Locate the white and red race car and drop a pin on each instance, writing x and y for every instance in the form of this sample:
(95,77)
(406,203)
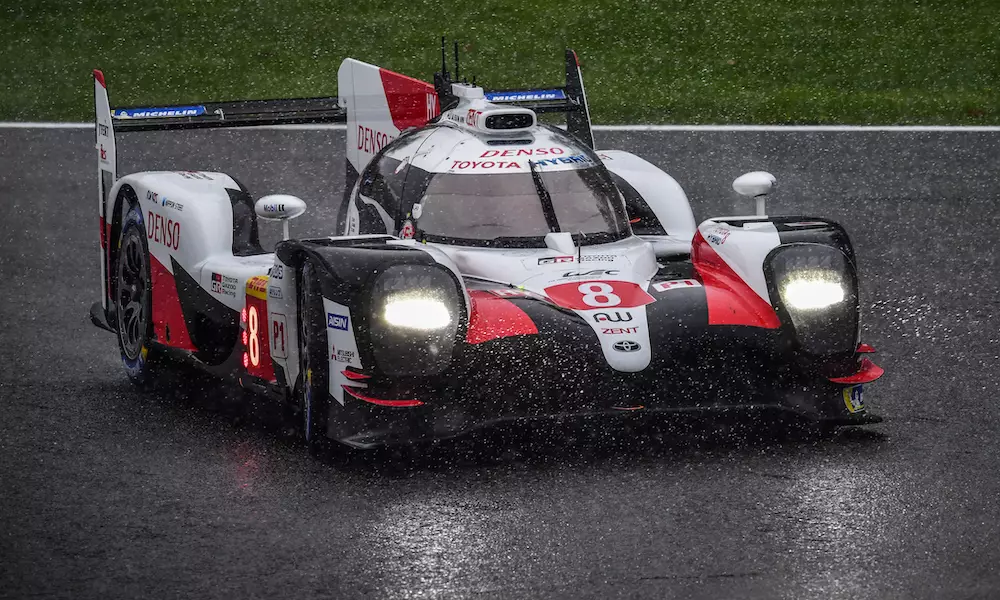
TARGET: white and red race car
(485,267)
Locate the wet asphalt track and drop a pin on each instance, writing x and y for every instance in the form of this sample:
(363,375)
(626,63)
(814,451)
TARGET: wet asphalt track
(105,493)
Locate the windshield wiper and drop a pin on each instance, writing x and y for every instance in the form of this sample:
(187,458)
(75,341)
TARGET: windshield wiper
(543,195)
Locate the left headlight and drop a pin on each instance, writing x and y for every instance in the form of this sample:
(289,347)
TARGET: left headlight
(413,319)
(417,310)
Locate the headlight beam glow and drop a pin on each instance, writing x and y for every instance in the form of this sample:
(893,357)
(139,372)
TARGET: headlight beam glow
(417,311)
(812,291)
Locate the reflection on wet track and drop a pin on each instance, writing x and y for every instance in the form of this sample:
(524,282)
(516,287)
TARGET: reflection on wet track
(107,492)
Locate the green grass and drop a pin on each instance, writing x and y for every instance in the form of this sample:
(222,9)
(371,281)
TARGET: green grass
(670,61)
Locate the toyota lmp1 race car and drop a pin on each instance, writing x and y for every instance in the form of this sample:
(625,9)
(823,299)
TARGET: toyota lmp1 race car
(486,267)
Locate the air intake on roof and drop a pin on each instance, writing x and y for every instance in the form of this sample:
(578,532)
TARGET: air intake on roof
(509,121)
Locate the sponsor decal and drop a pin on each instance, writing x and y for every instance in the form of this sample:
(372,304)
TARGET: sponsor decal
(619,330)
(277,272)
(171,204)
(603,156)
(152,196)
(615,317)
(484,164)
(224,285)
(342,355)
(406,232)
(472,117)
(274,292)
(371,140)
(626,346)
(102,129)
(163,231)
(525,96)
(677,284)
(158,113)
(335,321)
(853,399)
(554,260)
(718,235)
(103,153)
(587,295)
(598,258)
(274,207)
(522,152)
(593,273)
(565,160)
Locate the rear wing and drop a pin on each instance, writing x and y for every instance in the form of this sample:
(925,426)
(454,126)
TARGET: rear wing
(239,113)
(569,99)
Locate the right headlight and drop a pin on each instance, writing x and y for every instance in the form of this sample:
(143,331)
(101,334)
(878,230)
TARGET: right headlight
(813,290)
(414,317)
(817,290)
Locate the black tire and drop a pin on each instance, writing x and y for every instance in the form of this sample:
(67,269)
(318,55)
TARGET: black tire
(133,301)
(314,365)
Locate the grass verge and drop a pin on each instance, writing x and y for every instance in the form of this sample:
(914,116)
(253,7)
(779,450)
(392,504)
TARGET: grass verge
(670,61)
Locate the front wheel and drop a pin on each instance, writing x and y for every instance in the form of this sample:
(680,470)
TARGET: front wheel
(314,395)
(133,301)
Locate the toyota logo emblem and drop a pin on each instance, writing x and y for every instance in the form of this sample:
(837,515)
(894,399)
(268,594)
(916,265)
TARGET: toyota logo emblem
(626,346)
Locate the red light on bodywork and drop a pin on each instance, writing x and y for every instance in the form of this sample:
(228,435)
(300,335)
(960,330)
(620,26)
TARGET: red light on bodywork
(243,318)
(393,403)
(355,376)
(246,360)
(244,337)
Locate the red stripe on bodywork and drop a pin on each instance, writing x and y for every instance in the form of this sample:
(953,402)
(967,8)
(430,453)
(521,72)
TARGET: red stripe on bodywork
(408,100)
(730,300)
(167,308)
(868,373)
(379,401)
(493,318)
(354,376)
(865,348)
(99,76)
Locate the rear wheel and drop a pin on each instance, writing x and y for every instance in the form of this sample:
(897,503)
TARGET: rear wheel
(133,301)
(314,395)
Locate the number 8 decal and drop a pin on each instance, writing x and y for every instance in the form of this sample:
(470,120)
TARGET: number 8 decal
(590,295)
(253,324)
(599,294)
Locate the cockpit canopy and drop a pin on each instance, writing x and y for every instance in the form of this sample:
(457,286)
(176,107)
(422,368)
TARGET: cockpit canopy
(440,184)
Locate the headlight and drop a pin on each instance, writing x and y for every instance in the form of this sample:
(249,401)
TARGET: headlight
(414,313)
(816,290)
(417,310)
(813,290)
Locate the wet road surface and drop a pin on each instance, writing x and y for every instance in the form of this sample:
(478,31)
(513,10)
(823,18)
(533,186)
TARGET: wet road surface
(109,493)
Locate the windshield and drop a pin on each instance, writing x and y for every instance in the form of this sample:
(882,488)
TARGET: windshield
(499,208)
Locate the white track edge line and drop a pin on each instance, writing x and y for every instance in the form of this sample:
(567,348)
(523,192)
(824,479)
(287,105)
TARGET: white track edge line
(632,128)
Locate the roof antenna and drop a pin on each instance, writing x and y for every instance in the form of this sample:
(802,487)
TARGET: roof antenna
(456,62)
(444,60)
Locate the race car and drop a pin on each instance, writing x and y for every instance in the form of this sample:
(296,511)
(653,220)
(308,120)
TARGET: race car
(487,266)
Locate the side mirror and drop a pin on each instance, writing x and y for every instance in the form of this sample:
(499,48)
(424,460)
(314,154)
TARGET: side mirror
(757,184)
(280,207)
